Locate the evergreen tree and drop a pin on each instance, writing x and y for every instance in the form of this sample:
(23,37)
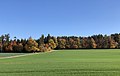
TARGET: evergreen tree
(41,41)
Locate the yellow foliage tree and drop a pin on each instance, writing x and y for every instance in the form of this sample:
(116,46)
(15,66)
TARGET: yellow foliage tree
(31,46)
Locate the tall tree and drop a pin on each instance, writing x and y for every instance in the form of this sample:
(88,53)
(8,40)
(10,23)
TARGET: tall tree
(92,43)
(41,40)
(7,36)
(52,44)
(47,38)
(112,43)
(61,43)
(84,42)
(105,42)
(31,45)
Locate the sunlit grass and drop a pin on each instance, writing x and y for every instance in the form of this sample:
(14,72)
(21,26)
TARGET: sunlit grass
(64,63)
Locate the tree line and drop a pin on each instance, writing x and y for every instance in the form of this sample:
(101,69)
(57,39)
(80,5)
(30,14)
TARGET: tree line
(65,42)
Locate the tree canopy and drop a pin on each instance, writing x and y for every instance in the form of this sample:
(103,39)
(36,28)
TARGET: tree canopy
(64,42)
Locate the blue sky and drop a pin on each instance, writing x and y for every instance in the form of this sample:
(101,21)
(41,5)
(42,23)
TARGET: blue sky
(25,18)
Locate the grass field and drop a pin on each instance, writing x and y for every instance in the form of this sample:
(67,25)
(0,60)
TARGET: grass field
(64,63)
(10,54)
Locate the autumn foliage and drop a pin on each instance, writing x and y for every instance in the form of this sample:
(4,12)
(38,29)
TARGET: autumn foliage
(48,43)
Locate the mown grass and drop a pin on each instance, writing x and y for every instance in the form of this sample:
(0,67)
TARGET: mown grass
(10,54)
(64,63)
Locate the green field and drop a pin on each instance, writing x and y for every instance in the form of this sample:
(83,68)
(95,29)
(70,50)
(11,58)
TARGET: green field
(10,54)
(64,63)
